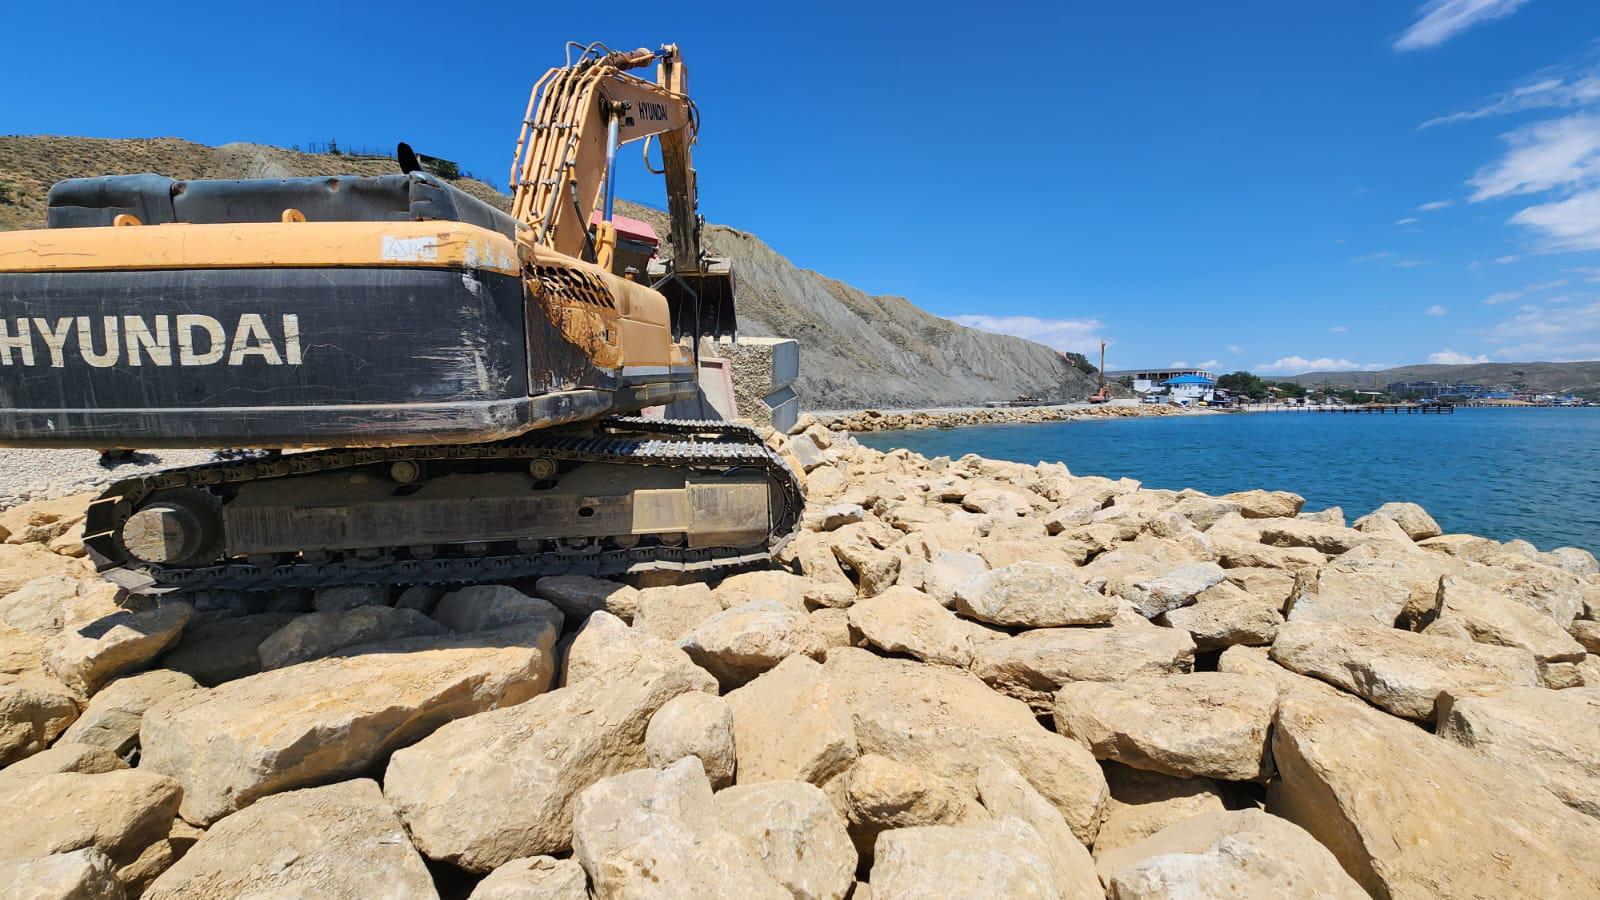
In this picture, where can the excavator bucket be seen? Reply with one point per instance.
(700, 303)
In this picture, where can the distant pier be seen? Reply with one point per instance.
(1441, 409)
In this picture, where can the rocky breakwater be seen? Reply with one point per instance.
(898, 420)
(963, 678)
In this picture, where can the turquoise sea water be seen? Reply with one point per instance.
(1524, 473)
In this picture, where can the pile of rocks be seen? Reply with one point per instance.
(964, 678)
(898, 420)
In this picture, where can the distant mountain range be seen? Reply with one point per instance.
(1581, 378)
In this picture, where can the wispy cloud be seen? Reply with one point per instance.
(1436, 310)
(1448, 357)
(1296, 365)
(1543, 156)
(1440, 20)
(1235, 349)
(1551, 333)
(1068, 335)
(1178, 364)
(1407, 221)
(1373, 257)
(1410, 263)
(1500, 297)
(1211, 365)
(1506, 260)
(1436, 204)
(1569, 224)
(1558, 87)
(1339, 329)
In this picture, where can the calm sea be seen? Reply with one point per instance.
(1532, 474)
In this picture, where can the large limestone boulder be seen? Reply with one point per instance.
(579, 595)
(87, 655)
(1398, 671)
(119, 813)
(1209, 724)
(1470, 612)
(1237, 553)
(1223, 616)
(669, 612)
(42, 521)
(880, 794)
(34, 711)
(657, 833)
(737, 644)
(487, 789)
(486, 607)
(1551, 737)
(223, 649)
(65, 756)
(21, 563)
(791, 724)
(85, 874)
(1143, 803)
(1412, 519)
(1006, 794)
(794, 832)
(763, 584)
(605, 643)
(1329, 539)
(694, 724)
(43, 606)
(1032, 595)
(991, 861)
(322, 634)
(1364, 597)
(338, 841)
(111, 720)
(1549, 591)
(1205, 511)
(1410, 815)
(1152, 596)
(904, 620)
(947, 721)
(544, 877)
(234, 744)
(1247, 853)
(1259, 504)
(875, 570)
(1032, 665)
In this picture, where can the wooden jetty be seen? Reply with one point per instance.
(1441, 409)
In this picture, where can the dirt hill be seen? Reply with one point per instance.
(1582, 378)
(857, 350)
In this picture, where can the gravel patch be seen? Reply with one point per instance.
(44, 474)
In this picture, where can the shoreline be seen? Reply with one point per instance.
(868, 420)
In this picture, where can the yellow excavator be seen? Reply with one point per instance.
(435, 391)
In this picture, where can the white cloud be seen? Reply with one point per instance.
(1410, 263)
(1440, 20)
(1572, 223)
(1178, 364)
(1297, 365)
(1543, 156)
(1436, 310)
(1067, 335)
(1235, 349)
(1500, 297)
(1560, 333)
(1339, 329)
(1449, 357)
(1506, 260)
(1558, 87)
(1407, 221)
(1372, 257)
(1210, 365)
(1437, 204)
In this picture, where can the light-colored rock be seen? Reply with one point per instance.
(605, 643)
(992, 861)
(1032, 595)
(64, 756)
(736, 645)
(875, 570)
(1469, 612)
(1547, 736)
(904, 620)
(119, 813)
(338, 841)
(234, 744)
(1247, 853)
(1330, 539)
(794, 832)
(1270, 586)
(44, 606)
(1222, 616)
(87, 655)
(1256, 663)
(1333, 515)
(839, 515)
(21, 563)
(1205, 511)
(1364, 597)
(880, 794)
(543, 877)
(766, 584)
(1208, 724)
(341, 597)
(1548, 591)
(1410, 815)
(948, 571)
(223, 649)
(656, 833)
(997, 501)
(111, 720)
(1575, 560)
(1259, 504)
(487, 789)
(322, 634)
(1241, 554)
(946, 721)
(486, 607)
(42, 521)
(671, 612)
(1152, 596)
(579, 595)
(1032, 665)
(85, 874)
(790, 724)
(1143, 803)
(1006, 794)
(34, 711)
(1398, 671)
(693, 724)
(1412, 519)
(1587, 633)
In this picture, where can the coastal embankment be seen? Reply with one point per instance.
(956, 417)
(962, 677)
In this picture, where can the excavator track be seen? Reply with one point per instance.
(704, 446)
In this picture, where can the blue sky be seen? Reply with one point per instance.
(1277, 186)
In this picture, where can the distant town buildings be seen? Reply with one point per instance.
(1465, 391)
(1174, 385)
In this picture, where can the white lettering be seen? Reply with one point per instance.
(138, 336)
(23, 342)
(252, 338)
(86, 343)
(217, 340)
(55, 339)
(291, 339)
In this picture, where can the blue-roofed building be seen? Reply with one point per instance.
(1188, 389)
